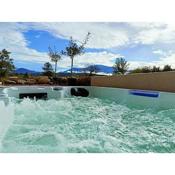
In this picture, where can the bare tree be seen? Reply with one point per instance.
(55, 56)
(73, 49)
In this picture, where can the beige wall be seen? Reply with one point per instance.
(161, 81)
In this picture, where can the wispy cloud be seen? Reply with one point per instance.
(108, 36)
(104, 58)
(103, 35)
(12, 38)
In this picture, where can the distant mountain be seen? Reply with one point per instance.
(105, 69)
(101, 69)
(25, 71)
(75, 69)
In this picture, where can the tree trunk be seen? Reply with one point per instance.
(72, 63)
(55, 68)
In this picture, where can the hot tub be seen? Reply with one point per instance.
(54, 119)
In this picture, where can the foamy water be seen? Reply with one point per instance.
(85, 125)
(6, 119)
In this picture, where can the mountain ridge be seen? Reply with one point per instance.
(100, 69)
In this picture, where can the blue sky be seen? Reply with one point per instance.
(141, 44)
(40, 40)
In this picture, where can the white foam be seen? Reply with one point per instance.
(6, 118)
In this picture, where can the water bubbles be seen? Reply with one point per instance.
(84, 125)
(6, 119)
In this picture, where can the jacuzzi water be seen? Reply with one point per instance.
(79, 124)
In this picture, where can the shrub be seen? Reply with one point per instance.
(167, 68)
(42, 80)
(120, 66)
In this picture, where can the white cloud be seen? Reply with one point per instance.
(164, 60)
(169, 59)
(108, 35)
(12, 39)
(104, 58)
(156, 36)
(159, 52)
(147, 25)
(103, 35)
(154, 33)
